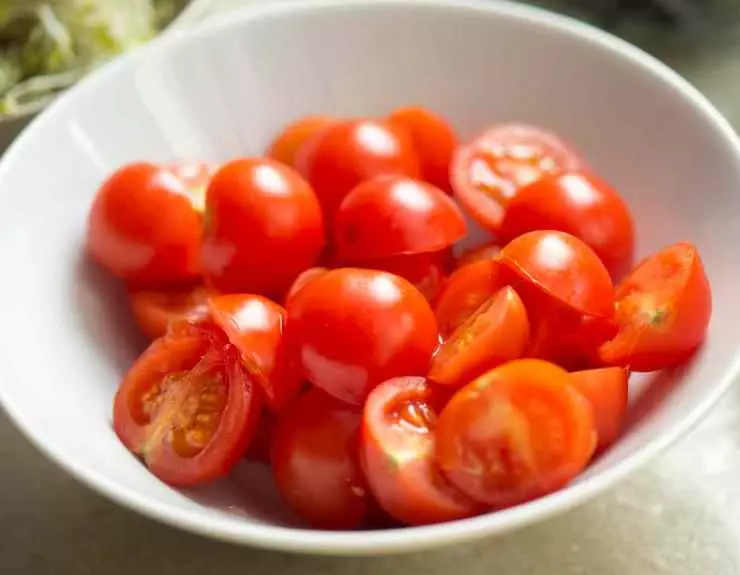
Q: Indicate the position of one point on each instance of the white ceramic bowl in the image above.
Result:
(222, 91)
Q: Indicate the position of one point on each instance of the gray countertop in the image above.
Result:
(679, 515)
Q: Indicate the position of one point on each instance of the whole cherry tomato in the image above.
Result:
(397, 454)
(263, 227)
(607, 392)
(155, 311)
(663, 310)
(354, 328)
(187, 407)
(487, 173)
(496, 333)
(303, 280)
(393, 215)
(349, 152)
(315, 461)
(143, 227)
(582, 205)
(288, 143)
(518, 432)
(434, 140)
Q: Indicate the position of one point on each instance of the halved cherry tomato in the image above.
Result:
(349, 152)
(288, 143)
(582, 205)
(397, 449)
(143, 227)
(489, 171)
(354, 328)
(465, 291)
(483, 252)
(263, 227)
(154, 311)
(607, 392)
(315, 461)
(187, 406)
(516, 433)
(434, 140)
(663, 310)
(392, 215)
(303, 280)
(255, 325)
(496, 333)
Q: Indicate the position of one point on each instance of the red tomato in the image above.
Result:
(254, 325)
(663, 310)
(496, 333)
(187, 406)
(315, 464)
(465, 291)
(393, 215)
(303, 280)
(582, 205)
(607, 392)
(354, 328)
(489, 172)
(434, 140)
(154, 311)
(288, 143)
(518, 432)
(263, 227)
(351, 151)
(483, 252)
(397, 452)
(144, 228)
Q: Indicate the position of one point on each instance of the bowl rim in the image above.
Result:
(234, 528)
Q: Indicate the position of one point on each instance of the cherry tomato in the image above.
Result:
(488, 173)
(196, 176)
(315, 461)
(303, 280)
(349, 152)
(288, 144)
(392, 215)
(663, 310)
(468, 288)
(397, 452)
(144, 228)
(483, 252)
(496, 333)
(263, 227)
(518, 432)
(582, 205)
(187, 406)
(354, 328)
(255, 325)
(434, 140)
(607, 392)
(154, 311)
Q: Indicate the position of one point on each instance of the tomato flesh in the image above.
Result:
(486, 251)
(607, 392)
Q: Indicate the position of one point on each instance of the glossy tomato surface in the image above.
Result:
(315, 461)
(303, 280)
(263, 227)
(607, 392)
(144, 228)
(288, 143)
(354, 328)
(154, 311)
(397, 450)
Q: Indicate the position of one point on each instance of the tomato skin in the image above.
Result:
(496, 333)
(392, 215)
(397, 452)
(518, 432)
(434, 140)
(607, 392)
(487, 173)
(581, 204)
(264, 227)
(144, 229)
(483, 252)
(153, 419)
(154, 311)
(314, 461)
(350, 152)
(255, 326)
(303, 280)
(288, 143)
(354, 328)
(663, 311)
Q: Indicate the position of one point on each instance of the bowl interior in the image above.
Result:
(222, 92)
